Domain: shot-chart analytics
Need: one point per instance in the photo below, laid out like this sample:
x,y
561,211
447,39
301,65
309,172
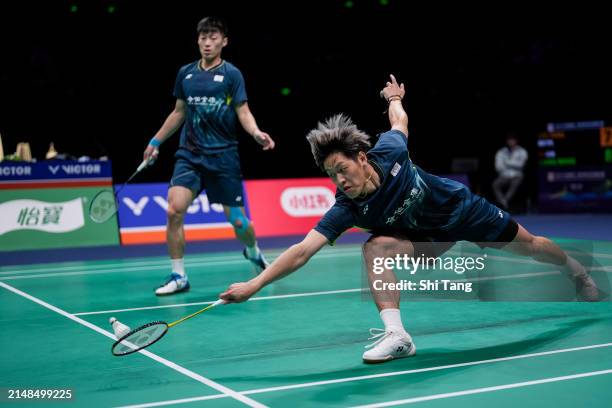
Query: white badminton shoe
x,y
388,346
175,284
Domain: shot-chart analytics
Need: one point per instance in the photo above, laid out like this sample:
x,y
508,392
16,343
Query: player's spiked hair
x,y
337,134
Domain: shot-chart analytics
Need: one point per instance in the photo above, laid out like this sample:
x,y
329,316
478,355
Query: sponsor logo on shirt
x,y
218,78
209,103
396,168
415,196
188,76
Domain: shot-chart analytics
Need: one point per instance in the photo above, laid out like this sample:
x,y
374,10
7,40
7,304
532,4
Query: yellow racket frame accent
x,y
218,302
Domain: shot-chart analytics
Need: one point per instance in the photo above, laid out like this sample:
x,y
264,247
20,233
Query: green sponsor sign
x,y
52,218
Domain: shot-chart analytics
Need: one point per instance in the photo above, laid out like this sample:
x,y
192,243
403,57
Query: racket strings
x,y
103,206
139,338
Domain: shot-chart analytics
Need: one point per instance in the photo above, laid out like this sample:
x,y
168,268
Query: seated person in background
x,y
509,163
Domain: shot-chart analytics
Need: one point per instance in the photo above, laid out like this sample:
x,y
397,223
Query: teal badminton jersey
x,y
410,199
211,123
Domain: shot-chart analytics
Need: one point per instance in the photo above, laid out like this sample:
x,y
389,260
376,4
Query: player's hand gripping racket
x,y
147,334
104,204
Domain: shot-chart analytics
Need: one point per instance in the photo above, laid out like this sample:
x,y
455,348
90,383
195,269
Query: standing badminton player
x,y
211,100
381,190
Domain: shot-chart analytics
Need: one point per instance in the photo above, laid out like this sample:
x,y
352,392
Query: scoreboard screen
x,y
575,144
575,167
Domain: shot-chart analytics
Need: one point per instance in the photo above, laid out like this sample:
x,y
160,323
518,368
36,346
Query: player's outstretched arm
x,y
393,94
289,261
247,120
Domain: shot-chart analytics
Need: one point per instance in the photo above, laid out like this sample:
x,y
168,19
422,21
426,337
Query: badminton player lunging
x,y
381,190
211,100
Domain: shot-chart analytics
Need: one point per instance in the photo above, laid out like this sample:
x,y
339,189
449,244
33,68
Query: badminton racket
x,y
104,205
150,333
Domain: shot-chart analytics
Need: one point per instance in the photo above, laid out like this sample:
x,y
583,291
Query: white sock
x,y
392,320
252,252
178,266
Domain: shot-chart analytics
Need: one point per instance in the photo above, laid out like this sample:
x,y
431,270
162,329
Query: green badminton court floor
x,y
299,341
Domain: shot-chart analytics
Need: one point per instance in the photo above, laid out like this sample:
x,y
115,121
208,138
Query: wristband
x,y
154,142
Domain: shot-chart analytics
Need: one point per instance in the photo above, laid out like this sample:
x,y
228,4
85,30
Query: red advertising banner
x,y
276,208
288,206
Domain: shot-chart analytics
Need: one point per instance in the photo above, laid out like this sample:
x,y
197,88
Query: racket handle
x,y
218,302
144,164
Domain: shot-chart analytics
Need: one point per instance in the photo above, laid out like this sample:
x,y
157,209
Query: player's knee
x,y
539,245
174,213
240,225
380,244
238,220
532,246
380,240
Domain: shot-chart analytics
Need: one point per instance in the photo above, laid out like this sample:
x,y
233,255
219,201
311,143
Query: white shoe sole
x,y
411,353
182,290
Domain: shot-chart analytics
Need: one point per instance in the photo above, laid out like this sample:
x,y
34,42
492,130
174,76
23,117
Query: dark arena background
x,y
96,78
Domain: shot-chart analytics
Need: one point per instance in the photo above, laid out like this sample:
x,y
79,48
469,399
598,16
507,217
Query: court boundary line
x,y
307,294
197,260
484,389
161,260
227,392
380,375
174,402
426,369
289,295
25,275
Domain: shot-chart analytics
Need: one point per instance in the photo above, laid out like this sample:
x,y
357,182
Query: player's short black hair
x,y
212,24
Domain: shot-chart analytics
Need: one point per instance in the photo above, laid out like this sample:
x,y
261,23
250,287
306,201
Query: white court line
x,y
508,277
221,388
373,376
226,262
190,259
151,268
305,294
422,370
517,259
178,401
118,270
481,390
134,266
196,260
599,255
292,295
114,266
